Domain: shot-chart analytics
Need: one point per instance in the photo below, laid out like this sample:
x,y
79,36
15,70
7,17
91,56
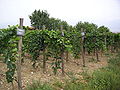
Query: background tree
x,y
103,29
54,24
39,18
88,27
65,25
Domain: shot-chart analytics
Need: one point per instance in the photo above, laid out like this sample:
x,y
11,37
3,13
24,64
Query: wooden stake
x,y
44,56
44,60
67,56
97,56
19,60
62,54
63,71
82,49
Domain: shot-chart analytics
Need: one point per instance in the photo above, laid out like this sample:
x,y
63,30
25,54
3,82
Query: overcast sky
x,y
100,12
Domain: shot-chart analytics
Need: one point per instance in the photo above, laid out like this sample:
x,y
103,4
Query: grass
x,y
107,78
37,85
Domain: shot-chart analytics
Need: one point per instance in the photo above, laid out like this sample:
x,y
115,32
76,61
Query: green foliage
x,y
92,37
8,46
96,38
5,36
39,40
115,41
33,44
75,40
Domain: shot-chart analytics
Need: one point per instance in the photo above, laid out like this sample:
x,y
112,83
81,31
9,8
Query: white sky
x,y
100,12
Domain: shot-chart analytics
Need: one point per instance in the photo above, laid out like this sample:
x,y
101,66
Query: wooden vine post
x,y
96,50
62,54
67,56
82,46
97,56
44,56
105,40
20,33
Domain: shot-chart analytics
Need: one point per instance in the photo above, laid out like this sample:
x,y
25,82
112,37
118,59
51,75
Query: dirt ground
x,y
29,74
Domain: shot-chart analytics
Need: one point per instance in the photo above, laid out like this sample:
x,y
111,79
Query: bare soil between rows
x,y
29,74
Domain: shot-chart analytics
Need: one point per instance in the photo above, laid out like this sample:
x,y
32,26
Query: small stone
x,y
31,72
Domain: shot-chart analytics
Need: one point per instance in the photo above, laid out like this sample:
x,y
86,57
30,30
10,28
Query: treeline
x,y
40,19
